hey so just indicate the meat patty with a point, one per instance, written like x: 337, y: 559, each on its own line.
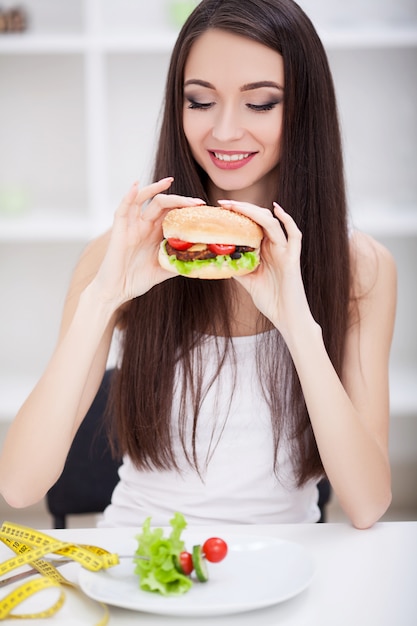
x: 205, y: 253
x: 190, y: 255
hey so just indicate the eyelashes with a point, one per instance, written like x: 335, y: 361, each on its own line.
x: 204, y: 106
x: 193, y: 104
x: 268, y: 106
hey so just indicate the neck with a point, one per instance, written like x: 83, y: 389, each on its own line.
x: 262, y: 193
x: 245, y: 317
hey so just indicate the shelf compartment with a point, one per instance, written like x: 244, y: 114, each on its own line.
x: 377, y: 92
x: 28, y: 44
x: 34, y: 279
x: 54, y: 16
x: 368, y: 36
x: 77, y: 224
x: 42, y: 150
x: 132, y: 127
x: 38, y: 226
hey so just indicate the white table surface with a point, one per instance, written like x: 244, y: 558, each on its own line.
x: 362, y: 578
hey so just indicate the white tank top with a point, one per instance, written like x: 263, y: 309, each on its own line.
x: 237, y: 484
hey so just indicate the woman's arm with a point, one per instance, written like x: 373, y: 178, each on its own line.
x: 114, y: 269
x: 349, y: 416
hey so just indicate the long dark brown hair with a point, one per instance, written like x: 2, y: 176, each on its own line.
x: 162, y: 327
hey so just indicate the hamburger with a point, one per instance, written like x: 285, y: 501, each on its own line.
x: 209, y: 242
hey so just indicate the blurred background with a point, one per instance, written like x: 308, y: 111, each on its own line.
x: 81, y: 85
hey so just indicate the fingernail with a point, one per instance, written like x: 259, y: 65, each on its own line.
x: 194, y: 200
x: 133, y: 189
x: 278, y: 206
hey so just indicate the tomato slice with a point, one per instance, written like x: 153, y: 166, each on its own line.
x: 186, y: 562
x: 179, y: 244
x: 214, y: 549
x: 221, y: 248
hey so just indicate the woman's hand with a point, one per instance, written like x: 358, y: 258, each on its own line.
x: 276, y: 287
x: 130, y: 266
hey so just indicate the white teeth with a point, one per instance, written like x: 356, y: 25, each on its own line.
x: 231, y: 157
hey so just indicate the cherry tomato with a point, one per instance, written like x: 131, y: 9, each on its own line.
x: 179, y: 244
x: 214, y: 549
x: 221, y: 248
x: 186, y: 562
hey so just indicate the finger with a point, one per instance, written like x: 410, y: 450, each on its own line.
x: 163, y: 202
x: 264, y: 217
x: 149, y: 191
x: 136, y: 197
x: 293, y: 232
x: 128, y: 200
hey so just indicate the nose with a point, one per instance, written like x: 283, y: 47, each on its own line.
x: 227, y: 126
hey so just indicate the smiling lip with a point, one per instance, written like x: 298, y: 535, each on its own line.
x: 230, y: 160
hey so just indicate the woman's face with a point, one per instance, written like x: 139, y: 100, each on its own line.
x: 233, y: 108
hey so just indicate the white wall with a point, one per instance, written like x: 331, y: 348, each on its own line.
x: 49, y: 151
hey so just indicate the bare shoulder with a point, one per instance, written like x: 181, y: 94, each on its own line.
x: 84, y: 272
x: 88, y: 263
x: 373, y: 267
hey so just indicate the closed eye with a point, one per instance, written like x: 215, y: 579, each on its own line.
x: 193, y: 104
x: 268, y: 106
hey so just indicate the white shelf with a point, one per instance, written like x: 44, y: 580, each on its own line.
x: 369, y: 36
x: 143, y: 42
x: 163, y: 40
x: 43, y: 44
x: 332, y: 38
x: 46, y: 227
x: 79, y: 225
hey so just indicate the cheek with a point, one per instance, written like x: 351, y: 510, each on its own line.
x: 277, y: 145
x: 186, y: 125
x: 194, y: 128
x: 273, y: 139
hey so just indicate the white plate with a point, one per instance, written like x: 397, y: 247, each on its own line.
x: 257, y: 572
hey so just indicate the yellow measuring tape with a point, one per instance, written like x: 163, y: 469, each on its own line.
x: 30, y: 546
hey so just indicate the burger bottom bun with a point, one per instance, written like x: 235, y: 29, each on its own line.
x: 211, y: 271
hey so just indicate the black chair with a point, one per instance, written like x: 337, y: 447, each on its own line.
x: 90, y: 472
x: 325, y: 492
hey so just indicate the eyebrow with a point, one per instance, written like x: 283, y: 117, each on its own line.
x: 261, y: 83
x: 247, y: 87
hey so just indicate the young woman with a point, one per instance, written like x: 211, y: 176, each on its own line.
x: 233, y: 397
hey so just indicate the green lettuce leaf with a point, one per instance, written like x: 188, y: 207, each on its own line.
x: 158, y: 573
x: 248, y: 261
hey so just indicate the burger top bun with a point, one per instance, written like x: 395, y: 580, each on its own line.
x: 210, y: 224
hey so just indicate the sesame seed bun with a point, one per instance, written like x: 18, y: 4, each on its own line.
x: 211, y: 225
